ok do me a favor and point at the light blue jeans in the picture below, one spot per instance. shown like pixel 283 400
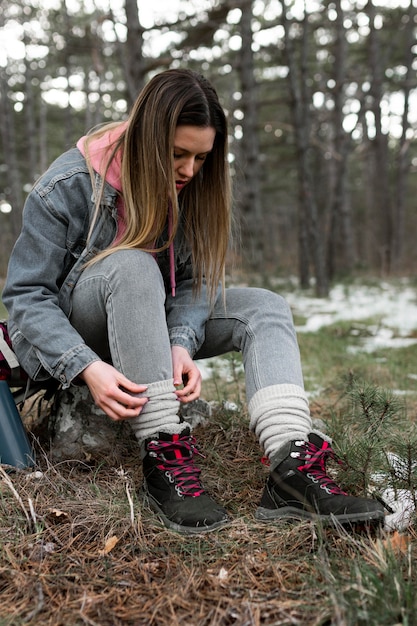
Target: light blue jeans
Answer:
pixel 118 307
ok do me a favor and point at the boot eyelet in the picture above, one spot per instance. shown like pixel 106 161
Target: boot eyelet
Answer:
pixel 169 476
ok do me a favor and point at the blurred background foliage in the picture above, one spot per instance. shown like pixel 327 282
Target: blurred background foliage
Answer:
pixel 321 98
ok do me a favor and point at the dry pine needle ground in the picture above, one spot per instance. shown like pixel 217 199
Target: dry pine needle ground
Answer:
pixel 78 546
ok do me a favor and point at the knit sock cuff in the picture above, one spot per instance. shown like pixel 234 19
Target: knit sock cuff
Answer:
pixel 278 414
pixel 267 398
pixel 160 413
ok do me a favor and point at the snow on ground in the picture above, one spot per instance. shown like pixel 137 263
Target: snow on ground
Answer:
pixel 392 307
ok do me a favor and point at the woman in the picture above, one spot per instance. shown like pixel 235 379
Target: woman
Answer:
pixel 115 281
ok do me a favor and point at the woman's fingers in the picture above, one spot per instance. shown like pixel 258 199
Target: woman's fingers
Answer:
pixel 115 394
pixel 186 373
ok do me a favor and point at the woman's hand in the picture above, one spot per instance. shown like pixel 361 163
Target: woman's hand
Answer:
pixel 186 373
pixel 112 391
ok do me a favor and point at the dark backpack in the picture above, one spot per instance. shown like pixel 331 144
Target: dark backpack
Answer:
pixel 10 369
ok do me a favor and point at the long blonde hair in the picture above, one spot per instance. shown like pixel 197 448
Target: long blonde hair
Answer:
pixel 173 98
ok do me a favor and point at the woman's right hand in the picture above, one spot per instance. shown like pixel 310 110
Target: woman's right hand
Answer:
pixel 113 392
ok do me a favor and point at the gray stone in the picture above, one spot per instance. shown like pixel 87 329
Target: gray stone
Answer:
pixel 79 430
pixel 318 424
pixel 196 413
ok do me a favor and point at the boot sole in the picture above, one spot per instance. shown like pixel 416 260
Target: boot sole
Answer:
pixel 180 528
pixel 292 513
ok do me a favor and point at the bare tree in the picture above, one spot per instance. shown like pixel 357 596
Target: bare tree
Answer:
pixel 311 245
pixel 12 193
pixel 30 115
pixel 382 205
pixel 250 194
pixel 340 237
pixel 135 67
pixel 403 158
pixel 9 150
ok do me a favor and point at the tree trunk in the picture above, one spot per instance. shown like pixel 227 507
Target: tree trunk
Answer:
pixel 135 66
pixel 403 158
pixel 250 196
pixel 382 197
pixel 14 192
pixel 340 239
pixel 310 236
pixel 30 114
pixel 43 134
pixel 69 125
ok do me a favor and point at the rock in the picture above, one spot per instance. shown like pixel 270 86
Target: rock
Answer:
pixel 318 424
pixel 79 430
pixel 196 412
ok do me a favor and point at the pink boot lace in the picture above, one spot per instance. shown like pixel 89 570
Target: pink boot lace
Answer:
pixel 179 466
pixel 314 464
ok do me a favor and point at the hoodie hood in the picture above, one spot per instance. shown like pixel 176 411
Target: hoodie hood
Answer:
pixel 98 151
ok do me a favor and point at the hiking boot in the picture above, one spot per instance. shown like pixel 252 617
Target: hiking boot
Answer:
pixel 298 487
pixel 172 485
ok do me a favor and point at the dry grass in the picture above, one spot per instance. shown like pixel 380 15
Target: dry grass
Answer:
pixel 78 547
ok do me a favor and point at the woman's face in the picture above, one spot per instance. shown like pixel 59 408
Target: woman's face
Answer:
pixel 192 144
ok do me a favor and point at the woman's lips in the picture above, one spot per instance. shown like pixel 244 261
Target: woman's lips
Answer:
pixel 180 184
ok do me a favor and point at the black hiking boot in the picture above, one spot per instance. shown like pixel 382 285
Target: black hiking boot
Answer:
pixel 298 487
pixel 173 487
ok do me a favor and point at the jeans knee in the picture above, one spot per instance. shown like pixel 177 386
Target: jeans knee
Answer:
pixel 132 260
pixel 265 302
pixel 132 270
pixel 278 303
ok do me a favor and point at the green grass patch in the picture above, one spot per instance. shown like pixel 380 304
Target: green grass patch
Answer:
pixel 333 351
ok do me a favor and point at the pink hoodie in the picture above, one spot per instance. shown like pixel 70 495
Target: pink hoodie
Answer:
pixel 98 150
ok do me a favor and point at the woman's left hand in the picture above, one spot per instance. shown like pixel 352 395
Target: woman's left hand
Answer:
pixel 186 373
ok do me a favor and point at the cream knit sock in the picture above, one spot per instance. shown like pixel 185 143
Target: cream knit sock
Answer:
pixel 278 414
pixel 160 413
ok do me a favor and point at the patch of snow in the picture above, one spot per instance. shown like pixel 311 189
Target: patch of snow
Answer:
pixel 221 367
pixel 392 307
pixel 402 503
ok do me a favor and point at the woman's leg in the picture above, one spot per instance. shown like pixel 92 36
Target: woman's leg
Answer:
pixel 258 323
pixel 118 307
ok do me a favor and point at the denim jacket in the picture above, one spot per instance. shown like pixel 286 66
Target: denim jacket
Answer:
pixel 48 258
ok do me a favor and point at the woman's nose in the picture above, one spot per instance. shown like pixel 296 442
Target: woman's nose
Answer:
pixel 187 168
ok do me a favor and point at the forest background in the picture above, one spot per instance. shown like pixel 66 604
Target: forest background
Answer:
pixel 322 102
pixel 321 97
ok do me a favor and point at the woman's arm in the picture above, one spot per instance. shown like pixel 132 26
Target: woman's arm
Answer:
pixel 55 223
